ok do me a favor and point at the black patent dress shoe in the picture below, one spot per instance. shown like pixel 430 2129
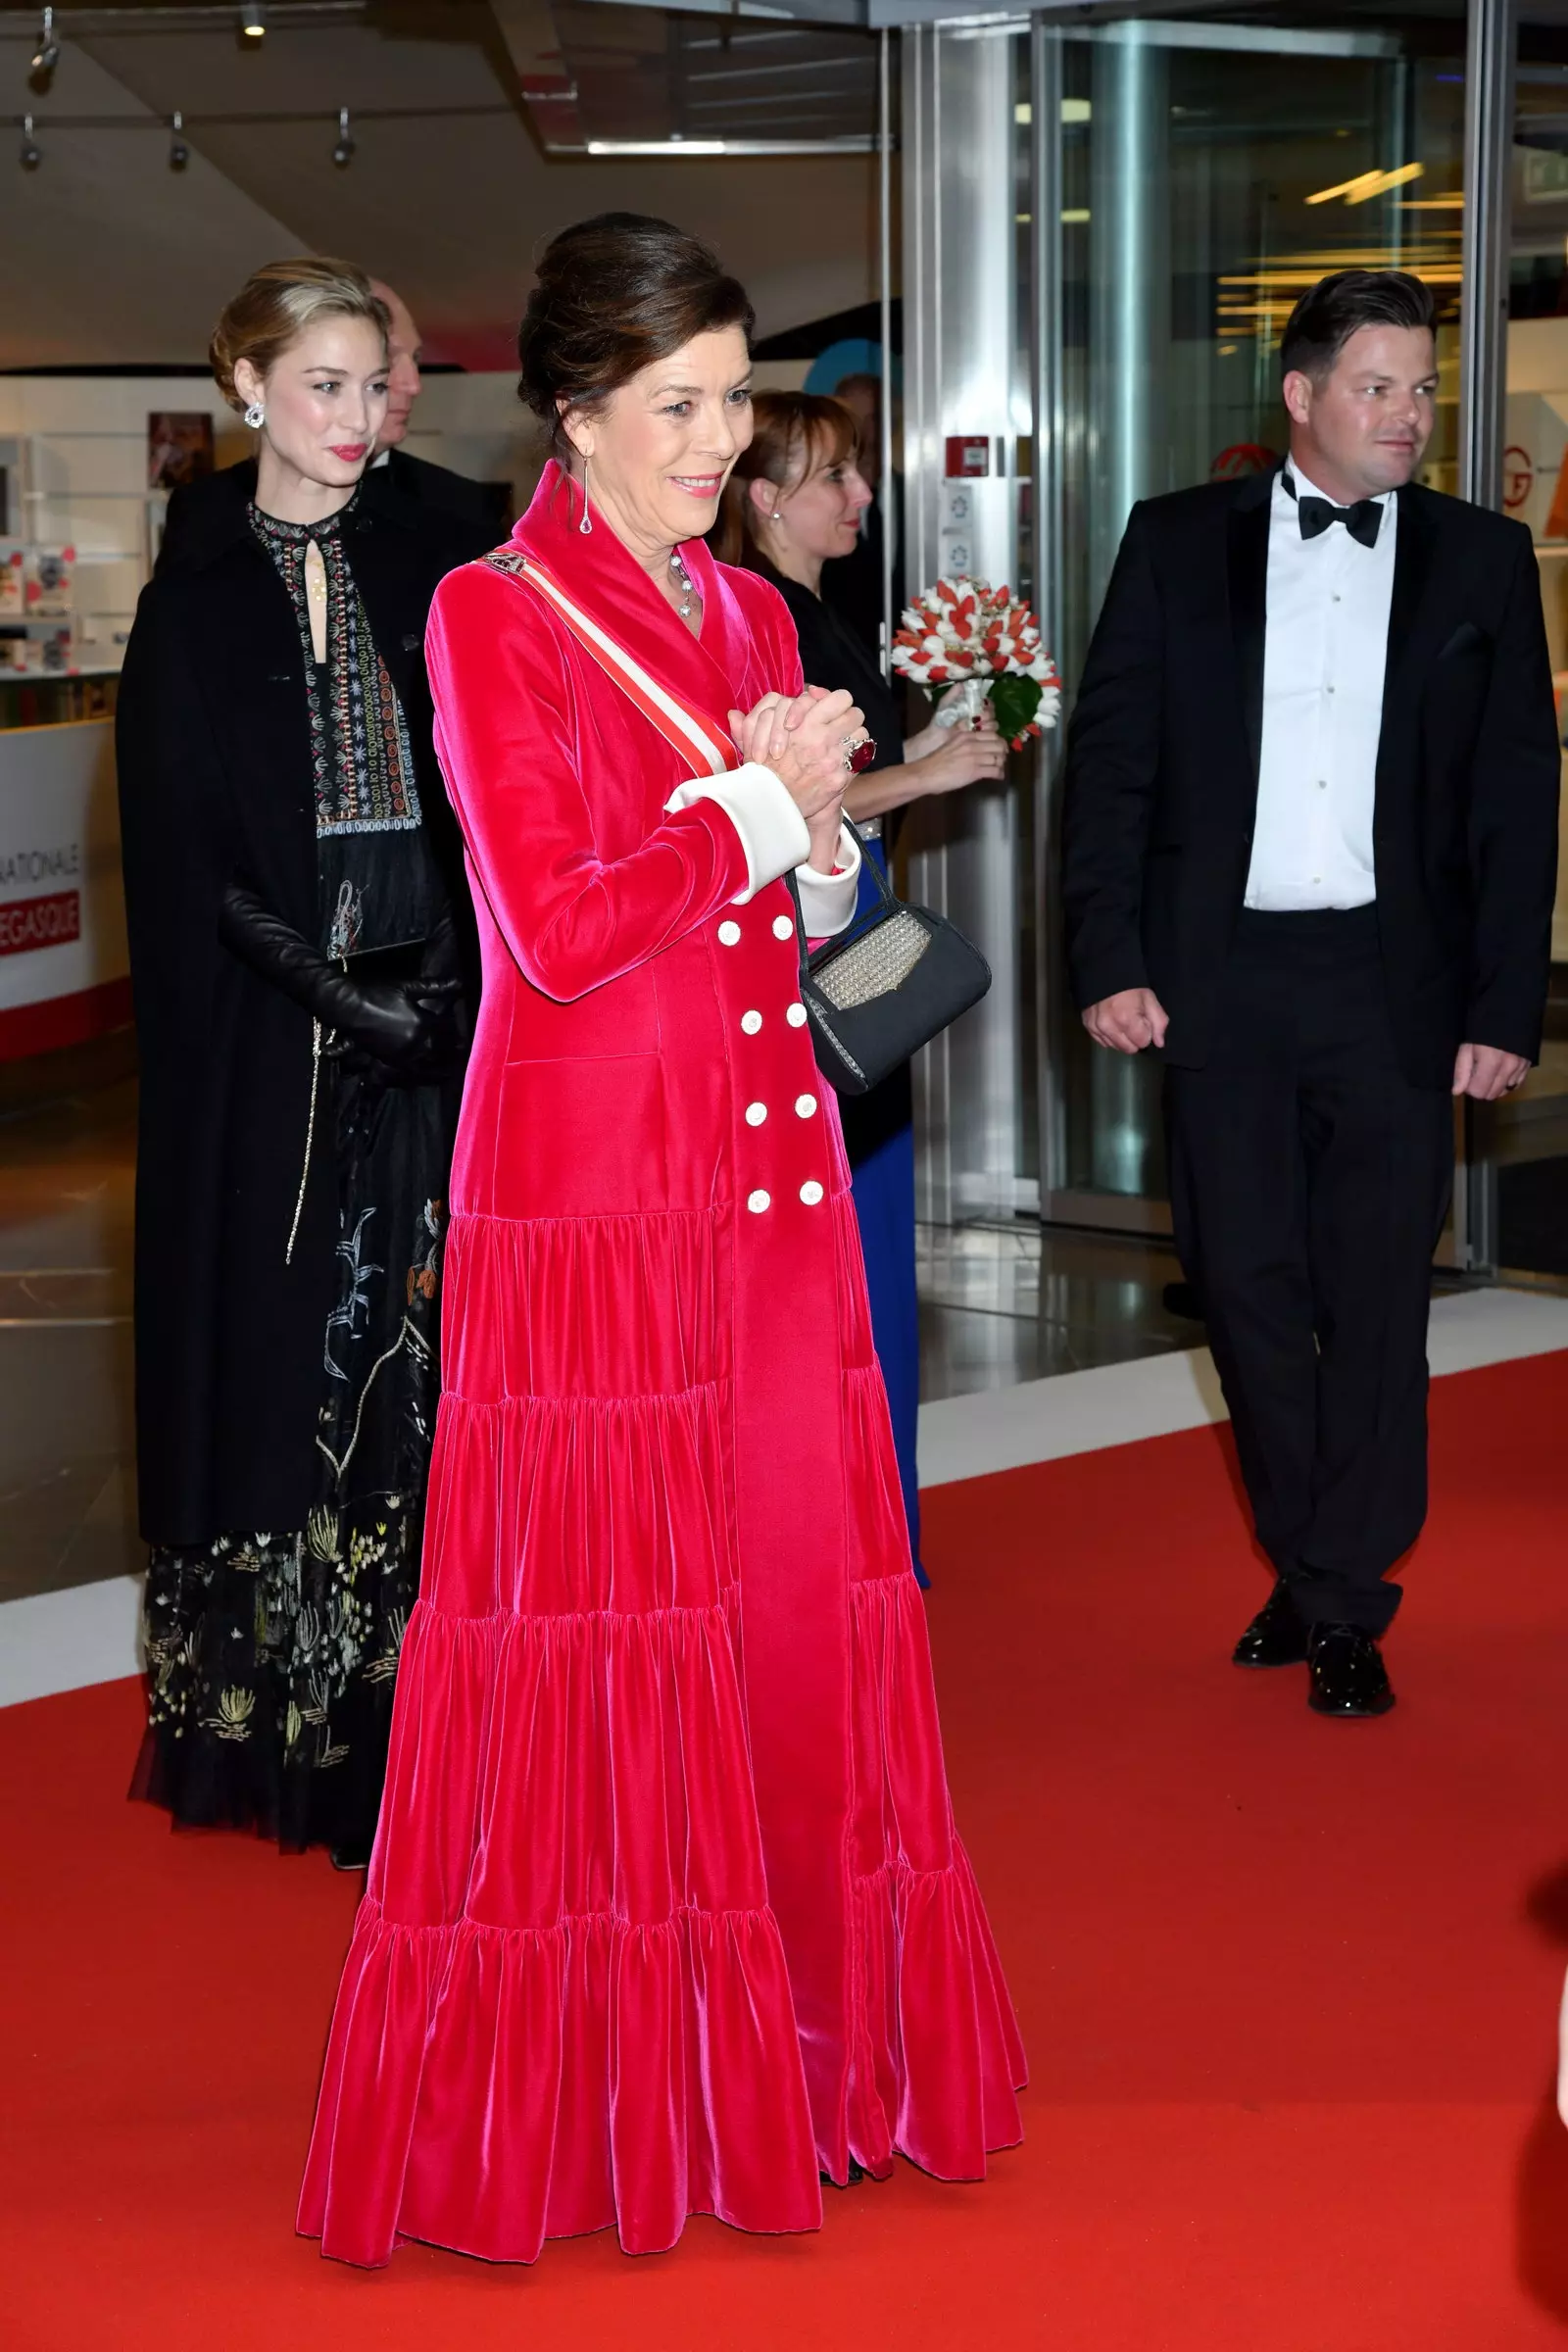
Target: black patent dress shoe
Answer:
pixel 1277 1634
pixel 352 1853
pixel 1349 1676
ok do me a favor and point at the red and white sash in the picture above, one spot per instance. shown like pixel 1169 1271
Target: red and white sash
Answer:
pixel 687 729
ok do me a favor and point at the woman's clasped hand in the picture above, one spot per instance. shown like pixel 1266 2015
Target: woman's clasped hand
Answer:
pixel 804 738
pixel 948 758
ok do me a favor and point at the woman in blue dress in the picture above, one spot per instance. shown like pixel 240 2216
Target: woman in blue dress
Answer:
pixel 794 503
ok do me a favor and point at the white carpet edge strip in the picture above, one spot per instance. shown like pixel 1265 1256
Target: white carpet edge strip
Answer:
pixel 55 1642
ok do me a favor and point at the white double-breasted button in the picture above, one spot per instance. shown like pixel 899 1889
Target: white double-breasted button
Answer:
pixel 758 1201
pixel 796 1016
pixel 812 1193
pixel 755 1113
pixel 783 926
pixel 805 1105
pixel 751 1022
pixel 728 934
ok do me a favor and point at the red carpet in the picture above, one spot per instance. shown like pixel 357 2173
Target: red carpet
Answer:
pixel 1289 1986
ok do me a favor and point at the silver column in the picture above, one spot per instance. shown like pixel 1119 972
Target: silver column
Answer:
pixel 1130 356
pixel 965 373
pixel 1129 273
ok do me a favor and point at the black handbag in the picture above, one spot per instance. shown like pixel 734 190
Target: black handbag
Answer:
pixel 877 993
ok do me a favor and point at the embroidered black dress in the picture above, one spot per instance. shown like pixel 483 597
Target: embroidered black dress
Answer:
pixel 271 1652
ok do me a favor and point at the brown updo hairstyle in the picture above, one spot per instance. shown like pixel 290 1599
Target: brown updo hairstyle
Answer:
pixel 277 302
pixel 794 435
pixel 616 294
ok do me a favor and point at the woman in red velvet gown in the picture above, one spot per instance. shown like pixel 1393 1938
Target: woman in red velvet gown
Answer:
pixel 668 1913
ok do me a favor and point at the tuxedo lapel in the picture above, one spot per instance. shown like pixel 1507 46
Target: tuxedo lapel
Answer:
pixel 1247 552
pixel 1416 532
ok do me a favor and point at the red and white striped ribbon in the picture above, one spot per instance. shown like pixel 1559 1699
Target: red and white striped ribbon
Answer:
pixel 688 730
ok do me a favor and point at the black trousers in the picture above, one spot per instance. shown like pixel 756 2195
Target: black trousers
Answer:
pixel 1309 1182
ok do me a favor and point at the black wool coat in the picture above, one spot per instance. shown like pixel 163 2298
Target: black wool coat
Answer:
pixel 213 749
pixel 472 513
pixel 1162 762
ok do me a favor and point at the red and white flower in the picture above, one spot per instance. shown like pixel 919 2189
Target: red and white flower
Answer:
pixel 962 632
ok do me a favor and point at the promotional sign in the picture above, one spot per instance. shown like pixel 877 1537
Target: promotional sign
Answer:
pixel 64 965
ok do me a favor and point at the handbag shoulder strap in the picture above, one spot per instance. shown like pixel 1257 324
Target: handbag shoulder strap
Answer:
pixel 688 730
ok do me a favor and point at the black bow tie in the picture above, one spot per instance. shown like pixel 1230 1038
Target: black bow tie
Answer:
pixel 1318 515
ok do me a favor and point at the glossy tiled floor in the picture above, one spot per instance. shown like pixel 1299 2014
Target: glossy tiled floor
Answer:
pixel 1003 1305
pixel 66 1482
pixel 999 1306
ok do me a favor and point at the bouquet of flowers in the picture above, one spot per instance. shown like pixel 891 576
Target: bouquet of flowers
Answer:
pixel 966 644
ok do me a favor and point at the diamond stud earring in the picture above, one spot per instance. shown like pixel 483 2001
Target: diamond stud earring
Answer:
pixel 256 416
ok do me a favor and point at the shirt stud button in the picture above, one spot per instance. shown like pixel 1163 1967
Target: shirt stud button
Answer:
pixel 804 1104
pixel 728 934
pixel 751 1022
pixel 755 1113
pixel 812 1193
pixel 758 1201
pixel 783 926
pixel 796 1016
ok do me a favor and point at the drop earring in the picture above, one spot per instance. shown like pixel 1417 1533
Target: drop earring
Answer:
pixel 587 522
pixel 256 416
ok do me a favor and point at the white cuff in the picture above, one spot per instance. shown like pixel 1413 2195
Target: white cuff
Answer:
pixel 827 901
pixel 772 830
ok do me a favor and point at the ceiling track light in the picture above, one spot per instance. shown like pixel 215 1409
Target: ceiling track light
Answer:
pixel 253 21
pixel 343 152
pixel 46 55
pixel 179 152
pixel 32 152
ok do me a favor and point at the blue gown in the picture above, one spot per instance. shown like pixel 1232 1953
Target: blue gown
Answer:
pixel 879 1137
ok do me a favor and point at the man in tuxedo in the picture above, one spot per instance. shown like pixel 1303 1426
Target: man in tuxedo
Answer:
pixel 1309 860
pixel 393 472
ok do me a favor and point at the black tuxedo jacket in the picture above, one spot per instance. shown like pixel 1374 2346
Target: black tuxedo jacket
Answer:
pixel 1161 785
pixel 470 516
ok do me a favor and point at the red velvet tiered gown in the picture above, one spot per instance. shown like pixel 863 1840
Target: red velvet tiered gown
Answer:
pixel 666 1910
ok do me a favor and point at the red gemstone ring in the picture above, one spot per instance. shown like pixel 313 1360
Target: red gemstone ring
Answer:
pixel 858 752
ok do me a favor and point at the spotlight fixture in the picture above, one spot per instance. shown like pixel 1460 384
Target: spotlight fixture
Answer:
pixel 179 152
pixel 253 21
pixel 343 152
pixel 32 152
pixel 46 55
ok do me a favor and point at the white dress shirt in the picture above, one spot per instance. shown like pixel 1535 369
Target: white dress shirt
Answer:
pixel 1325 650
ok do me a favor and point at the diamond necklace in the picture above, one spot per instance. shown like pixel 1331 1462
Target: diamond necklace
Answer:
pixel 684 582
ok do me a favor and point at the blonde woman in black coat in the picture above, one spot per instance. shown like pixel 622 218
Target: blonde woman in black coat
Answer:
pixel 289 885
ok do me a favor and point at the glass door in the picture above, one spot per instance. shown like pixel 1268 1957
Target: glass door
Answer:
pixel 1192 179
pixel 1523 1143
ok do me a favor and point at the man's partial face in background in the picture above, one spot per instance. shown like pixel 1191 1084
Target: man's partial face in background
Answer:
pixel 403 379
pixel 861 395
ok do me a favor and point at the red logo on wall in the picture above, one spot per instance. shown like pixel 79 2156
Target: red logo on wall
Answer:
pixel 1242 458
pixel 1518 476
pixel 51 922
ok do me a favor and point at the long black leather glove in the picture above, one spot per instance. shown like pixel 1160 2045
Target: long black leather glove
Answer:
pixel 408 1028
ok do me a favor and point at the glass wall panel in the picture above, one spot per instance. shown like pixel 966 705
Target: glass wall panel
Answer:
pixel 1525 1141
